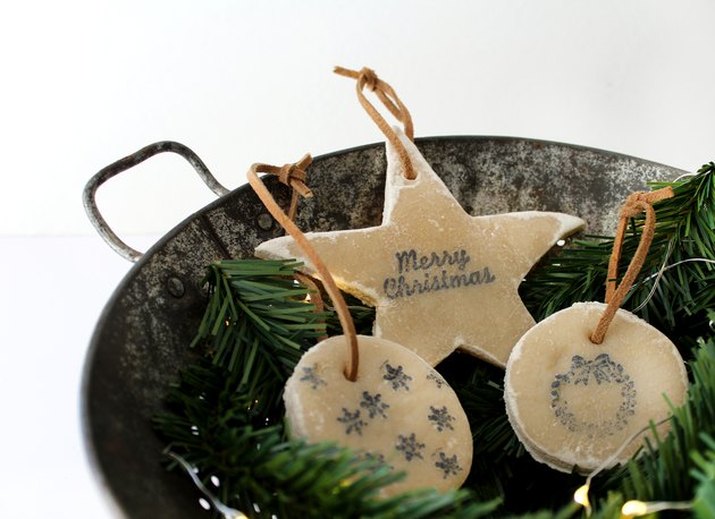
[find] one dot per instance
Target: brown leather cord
(316, 298)
(293, 176)
(635, 204)
(367, 78)
(341, 307)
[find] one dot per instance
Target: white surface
(54, 289)
(86, 82)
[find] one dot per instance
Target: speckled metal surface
(142, 336)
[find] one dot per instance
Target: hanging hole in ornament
(590, 338)
(409, 177)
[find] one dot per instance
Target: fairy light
(635, 508)
(632, 508)
(581, 494)
(581, 497)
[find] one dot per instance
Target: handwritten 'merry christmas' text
(433, 271)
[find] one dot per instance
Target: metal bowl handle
(90, 190)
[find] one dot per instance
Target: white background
(85, 83)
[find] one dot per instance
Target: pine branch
(685, 229)
(257, 323)
(210, 425)
(610, 507)
(661, 473)
(256, 326)
(224, 416)
(311, 482)
(704, 473)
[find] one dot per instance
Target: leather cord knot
(367, 77)
(636, 202)
(293, 176)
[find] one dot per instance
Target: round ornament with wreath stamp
(582, 384)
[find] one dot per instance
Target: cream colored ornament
(399, 410)
(374, 395)
(573, 403)
(440, 279)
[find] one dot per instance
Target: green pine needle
(257, 323)
(225, 414)
(650, 477)
(704, 473)
(684, 232)
(211, 423)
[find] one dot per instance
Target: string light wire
(580, 496)
(226, 511)
(635, 508)
(658, 275)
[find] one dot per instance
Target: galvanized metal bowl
(142, 337)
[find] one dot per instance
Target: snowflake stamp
(373, 404)
(409, 446)
(441, 418)
(352, 421)
(310, 376)
(397, 377)
(448, 465)
(434, 377)
(377, 457)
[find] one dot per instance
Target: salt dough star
(439, 278)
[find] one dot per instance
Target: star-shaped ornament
(439, 278)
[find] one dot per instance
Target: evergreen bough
(224, 414)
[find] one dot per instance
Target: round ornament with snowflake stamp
(399, 410)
